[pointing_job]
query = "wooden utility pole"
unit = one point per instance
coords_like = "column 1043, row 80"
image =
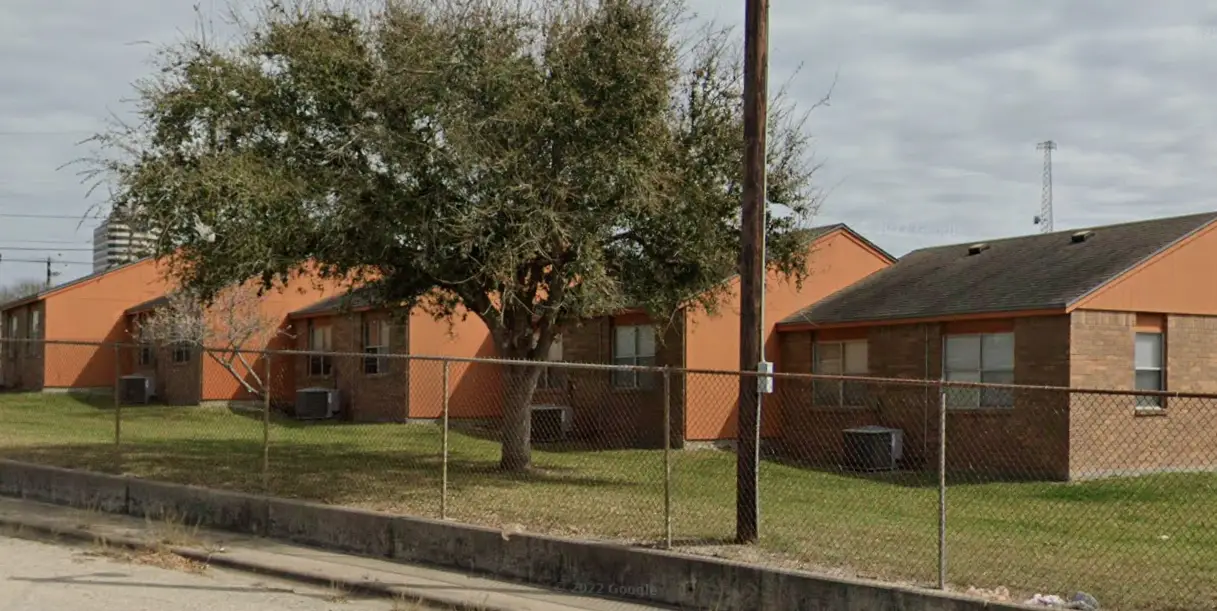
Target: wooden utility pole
column 752, row 267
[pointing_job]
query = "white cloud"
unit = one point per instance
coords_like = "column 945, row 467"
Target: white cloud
column 930, row 136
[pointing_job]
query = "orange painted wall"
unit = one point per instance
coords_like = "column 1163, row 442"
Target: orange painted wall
column 1174, row 282
column 220, row 385
column 837, row 261
column 475, row 390
column 93, row 311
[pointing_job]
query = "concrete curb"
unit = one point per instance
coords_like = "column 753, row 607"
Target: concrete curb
column 369, row 588
column 644, row 576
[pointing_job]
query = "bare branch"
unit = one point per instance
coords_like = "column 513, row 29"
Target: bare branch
column 225, row 328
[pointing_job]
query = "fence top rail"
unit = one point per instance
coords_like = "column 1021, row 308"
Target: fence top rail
column 605, row 367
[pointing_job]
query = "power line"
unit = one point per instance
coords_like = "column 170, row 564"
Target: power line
column 43, row 261
column 82, row 217
column 46, row 249
column 18, row 241
column 49, row 132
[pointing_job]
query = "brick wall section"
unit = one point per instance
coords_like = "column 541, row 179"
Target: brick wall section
column 613, row 417
column 24, row 363
column 1029, row 441
column 363, row 397
column 1109, row 436
column 179, row 383
column 1033, row 437
column 1191, row 355
column 912, row 352
column 128, row 359
column 809, row 433
column 380, row 397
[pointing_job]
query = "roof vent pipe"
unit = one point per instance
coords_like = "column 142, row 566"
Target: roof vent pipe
column 1081, row 236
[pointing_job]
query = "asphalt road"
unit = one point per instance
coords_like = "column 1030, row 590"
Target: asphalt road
column 35, row 576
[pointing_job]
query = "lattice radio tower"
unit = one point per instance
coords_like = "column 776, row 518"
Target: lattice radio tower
column 1044, row 218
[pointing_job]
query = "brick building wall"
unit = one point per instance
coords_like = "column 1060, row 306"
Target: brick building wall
column 617, row 417
column 912, row 352
column 24, row 363
column 174, row 383
column 1109, row 435
column 609, row 415
column 810, row 433
column 364, row 397
column 1029, row 440
column 179, row 383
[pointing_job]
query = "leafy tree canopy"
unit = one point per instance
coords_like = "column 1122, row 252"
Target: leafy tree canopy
column 533, row 165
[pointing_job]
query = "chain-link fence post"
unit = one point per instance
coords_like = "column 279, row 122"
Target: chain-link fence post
column 266, row 391
column 118, row 409
column 667, row 458
column 942, row 488
column 443, row 483
column 118, row 399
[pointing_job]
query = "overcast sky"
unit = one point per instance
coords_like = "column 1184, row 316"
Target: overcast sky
column 930, row 136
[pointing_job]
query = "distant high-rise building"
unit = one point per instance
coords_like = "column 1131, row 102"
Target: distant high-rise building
column 114, row 243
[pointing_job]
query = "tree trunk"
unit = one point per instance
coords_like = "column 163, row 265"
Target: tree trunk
column 521, row 382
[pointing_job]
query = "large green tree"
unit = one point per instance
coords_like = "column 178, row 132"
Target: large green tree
column 531, row 165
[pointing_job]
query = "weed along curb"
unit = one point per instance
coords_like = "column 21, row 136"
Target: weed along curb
column 641, row 575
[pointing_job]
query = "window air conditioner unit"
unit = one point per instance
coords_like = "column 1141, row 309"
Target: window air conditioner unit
column 873, row 448
column 550, row 422
column 136, row 390
column 316, row 403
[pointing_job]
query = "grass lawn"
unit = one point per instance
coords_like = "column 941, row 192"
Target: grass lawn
column 1138, row 543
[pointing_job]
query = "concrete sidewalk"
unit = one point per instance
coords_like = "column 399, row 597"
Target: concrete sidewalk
column 352, row 573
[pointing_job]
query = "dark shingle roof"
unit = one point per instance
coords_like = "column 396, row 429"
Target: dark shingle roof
column 1033, row 272
column 348, row 301
column 150, row 305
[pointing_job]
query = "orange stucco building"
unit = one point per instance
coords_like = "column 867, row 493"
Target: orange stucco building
column 89, row 309
column 76, row 317
column 188, row 377
column 1121, row 307
column 618, row 408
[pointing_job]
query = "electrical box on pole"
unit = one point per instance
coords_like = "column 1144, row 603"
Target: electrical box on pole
column 764, row 381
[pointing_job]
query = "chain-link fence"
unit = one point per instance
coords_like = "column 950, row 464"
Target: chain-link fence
column 1010, row 490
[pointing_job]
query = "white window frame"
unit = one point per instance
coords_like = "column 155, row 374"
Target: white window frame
column 377, row 340
column 182, row 352
column 34, row 320
column 551, row 378
column 985, row 371
column 14, row 332
column 639, row 355
column 1144, row 369
column 147, row 350
column 147, row 355
column 839, row 392
column 320, row 365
